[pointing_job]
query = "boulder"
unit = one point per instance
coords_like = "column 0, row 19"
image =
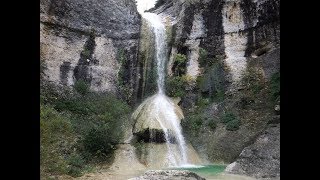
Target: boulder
column 156, row 112
column 168, row 174
column 262, row 158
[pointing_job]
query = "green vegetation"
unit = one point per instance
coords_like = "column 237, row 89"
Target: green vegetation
column 231, row 121
column 76, row 165
column 227, row 117
column 203, row 102
column 122, row 56
column 89, row 46
column 206, row 61
column 53, row 126
column 203, row 57
column 176, row 85
column 253, row 80
column 86, row 53
column 81, row 87
column 180, row 58
column 197, row 120
column 212, row 125
column 233, row 125
column 57, row 139
column 179, row 64
column 275, row 86
column 124, row 86
column 78, row 131
column 194, row 123
column 212, row 82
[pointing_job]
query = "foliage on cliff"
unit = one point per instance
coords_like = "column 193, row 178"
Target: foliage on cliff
column 78, row 130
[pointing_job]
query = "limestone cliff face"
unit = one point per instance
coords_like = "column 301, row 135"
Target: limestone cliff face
column 232, row 29
column 92, row 41
column 239, row 37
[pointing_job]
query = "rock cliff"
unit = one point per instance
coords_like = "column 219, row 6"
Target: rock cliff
column 93, row 41
column 233, row 58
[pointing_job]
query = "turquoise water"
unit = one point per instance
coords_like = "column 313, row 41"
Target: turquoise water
column 208, row 170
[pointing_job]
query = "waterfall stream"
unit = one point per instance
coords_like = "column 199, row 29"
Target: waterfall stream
column 160, row 109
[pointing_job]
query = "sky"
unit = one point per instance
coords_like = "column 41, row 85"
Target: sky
column 143, row 5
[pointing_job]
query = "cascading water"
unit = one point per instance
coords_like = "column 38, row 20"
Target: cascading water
column 160, row 109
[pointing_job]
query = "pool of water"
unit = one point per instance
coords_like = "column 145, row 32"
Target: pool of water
column 213, row 172
column 210, row 170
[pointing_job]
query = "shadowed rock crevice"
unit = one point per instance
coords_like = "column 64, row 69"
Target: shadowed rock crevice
column 64, row 71
column 154, row 135
column 214, row 41
column 81, row 71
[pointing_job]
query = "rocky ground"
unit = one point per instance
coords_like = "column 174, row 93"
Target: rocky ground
column 168, row 174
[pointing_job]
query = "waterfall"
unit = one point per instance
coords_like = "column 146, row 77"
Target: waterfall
column 160, row 46
column 159, row 110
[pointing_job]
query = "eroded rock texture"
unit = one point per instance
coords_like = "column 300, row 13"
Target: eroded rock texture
column 95, row 41
column 241, row 41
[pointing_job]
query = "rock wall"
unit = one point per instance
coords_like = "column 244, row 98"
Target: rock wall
column 91, row 41
column 262, row 158
column 241, row 40
column 147, row 63
column 233, row 29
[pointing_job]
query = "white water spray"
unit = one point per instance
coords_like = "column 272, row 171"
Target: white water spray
column 159, row 108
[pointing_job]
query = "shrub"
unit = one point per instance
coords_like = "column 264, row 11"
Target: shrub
column 219, row 96
column 124, row 86
column 275, row 85
column 231, row 121
column 86, row 53
column 212, row 125
column 93, row 104
column 212, row 83
column 233, row 125
column 179, row 64
column 81, row 87
column 202, row 102
column 194, row 122
column 99, row 142
column 176, row 86
column 205, row 61
column 55, row 128
column 98, row 119
column 180, row 58
column 202, row 57
column 76, row 165
column 227, row 117
column 253, row 80
column 95, row 119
